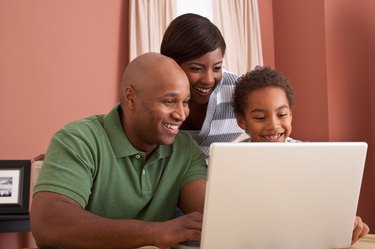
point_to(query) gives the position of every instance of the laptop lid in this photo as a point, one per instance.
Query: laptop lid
(282, 195)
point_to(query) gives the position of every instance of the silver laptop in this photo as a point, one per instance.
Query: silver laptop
(282, 195)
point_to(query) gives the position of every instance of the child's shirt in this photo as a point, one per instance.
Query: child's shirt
(288, 140)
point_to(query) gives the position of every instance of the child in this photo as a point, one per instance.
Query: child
(263, 101)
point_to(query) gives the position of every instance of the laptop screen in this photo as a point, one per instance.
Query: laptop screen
(282, 195)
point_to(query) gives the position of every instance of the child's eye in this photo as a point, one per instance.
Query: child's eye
(259, 118)
(283, 115)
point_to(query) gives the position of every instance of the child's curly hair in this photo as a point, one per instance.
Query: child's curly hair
(260, 77)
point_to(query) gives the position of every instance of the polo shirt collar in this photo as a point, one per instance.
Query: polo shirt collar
(121, 146)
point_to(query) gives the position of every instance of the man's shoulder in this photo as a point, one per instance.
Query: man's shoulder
(185, 148)
(185, 143)
(91, 124)
(183, 138)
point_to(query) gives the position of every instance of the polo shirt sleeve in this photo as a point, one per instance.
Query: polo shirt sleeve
(68, 168)
(197, 168)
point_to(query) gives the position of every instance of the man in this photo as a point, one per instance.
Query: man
(114, 181)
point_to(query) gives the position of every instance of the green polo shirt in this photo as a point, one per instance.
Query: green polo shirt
(93, 162)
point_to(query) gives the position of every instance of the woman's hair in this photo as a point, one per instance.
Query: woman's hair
(258, 78)
(190, 36)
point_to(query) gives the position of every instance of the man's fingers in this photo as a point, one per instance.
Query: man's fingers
(193, 220)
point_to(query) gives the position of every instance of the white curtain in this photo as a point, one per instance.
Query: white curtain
(238, 20)
(148, 22)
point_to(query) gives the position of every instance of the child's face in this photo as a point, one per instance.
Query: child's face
(267, 117)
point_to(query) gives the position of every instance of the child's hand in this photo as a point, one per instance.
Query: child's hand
(360, 229)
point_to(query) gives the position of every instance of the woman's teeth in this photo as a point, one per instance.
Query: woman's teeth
(203, 90)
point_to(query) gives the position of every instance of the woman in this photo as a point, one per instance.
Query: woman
(197, 45)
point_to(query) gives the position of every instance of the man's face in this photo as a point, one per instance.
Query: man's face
(267, 117)
(160, 110)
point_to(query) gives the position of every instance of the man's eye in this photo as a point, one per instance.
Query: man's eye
(170, 102)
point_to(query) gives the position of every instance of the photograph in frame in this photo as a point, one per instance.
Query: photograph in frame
(9, 186)
(14, 186)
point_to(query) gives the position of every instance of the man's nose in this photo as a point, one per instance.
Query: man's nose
(179, 112)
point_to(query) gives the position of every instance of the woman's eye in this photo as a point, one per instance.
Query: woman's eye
(217, 69)
(196, 69)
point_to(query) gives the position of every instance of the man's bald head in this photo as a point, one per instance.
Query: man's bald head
(148, 70)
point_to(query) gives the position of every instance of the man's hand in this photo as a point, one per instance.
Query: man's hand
(184, 228)
(360, 229)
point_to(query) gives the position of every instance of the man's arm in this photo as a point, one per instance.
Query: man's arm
(59, 222)
(192, 196)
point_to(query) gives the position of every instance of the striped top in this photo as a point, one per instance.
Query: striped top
(220, 124)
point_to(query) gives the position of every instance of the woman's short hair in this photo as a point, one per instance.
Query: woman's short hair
(190, 36)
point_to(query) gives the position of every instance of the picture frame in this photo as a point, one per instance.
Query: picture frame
(14, 186)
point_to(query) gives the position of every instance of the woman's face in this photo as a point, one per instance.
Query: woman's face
(204, 74)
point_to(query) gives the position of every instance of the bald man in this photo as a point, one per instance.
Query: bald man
(114, 180)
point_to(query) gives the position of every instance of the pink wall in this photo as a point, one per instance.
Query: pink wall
(300, 55)
(59, 61)
(350, 49)
(326, 48)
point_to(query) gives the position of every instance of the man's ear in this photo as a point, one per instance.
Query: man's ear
(241, 121)
(129, 97)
